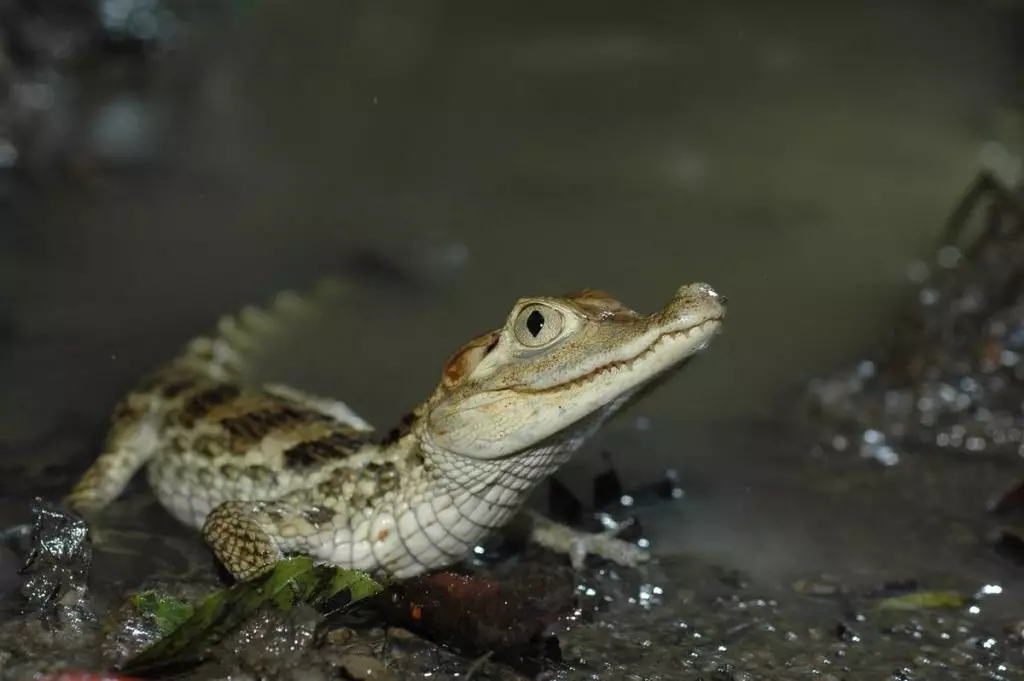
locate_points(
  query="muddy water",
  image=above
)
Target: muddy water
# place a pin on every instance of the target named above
(796, 159)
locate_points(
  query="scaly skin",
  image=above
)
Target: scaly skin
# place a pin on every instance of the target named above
(269, 470)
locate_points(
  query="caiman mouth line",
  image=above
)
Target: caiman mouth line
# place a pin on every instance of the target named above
(611, 366)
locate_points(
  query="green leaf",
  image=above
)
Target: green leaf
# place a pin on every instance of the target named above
(167, 613)
(923, 600)
(292, 581)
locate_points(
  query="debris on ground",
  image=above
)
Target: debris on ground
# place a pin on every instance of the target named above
(476, 614)
(56, 570)
(292, 582)
(949, 376)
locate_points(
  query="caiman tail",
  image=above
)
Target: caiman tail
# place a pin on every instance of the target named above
(230, 350)
(225, 355)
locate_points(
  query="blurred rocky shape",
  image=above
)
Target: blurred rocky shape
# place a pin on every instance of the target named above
(48, 620)
(77, 83)
(56, 570)
(1007, 533)
(949, 373)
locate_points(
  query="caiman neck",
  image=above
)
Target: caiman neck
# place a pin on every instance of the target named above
(403, 441)
(519, 472)
(411, 441)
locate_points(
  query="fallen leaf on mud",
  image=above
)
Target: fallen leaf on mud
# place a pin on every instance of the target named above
(293, 581)
(476, 615)
(922, 600)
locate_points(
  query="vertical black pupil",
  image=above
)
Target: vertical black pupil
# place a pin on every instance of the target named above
(534, 323)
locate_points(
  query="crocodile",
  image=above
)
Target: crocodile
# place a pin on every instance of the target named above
(268, 470)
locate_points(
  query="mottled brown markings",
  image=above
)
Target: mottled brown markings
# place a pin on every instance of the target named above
(344, 485)
(262, 475)
(175, 388)
(205, 477)
(385, 475)
(249, 428)
(337, 484)
(153, 382)
(172, 418)
(170, 383)
(207, 446)
(231, 472)
(339, 444)
(124, 411)
(205, 401)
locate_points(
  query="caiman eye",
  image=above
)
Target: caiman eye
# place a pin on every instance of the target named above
(538, 325)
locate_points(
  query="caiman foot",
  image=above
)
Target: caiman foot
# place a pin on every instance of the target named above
(578, 545)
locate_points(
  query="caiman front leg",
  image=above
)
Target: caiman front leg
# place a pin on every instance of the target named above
(578, 545)
(250, 537)
(130, 446)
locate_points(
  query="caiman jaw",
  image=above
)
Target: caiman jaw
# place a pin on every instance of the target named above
(683, 328)
(560, 363)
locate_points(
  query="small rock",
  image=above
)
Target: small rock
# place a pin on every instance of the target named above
(366, 668)
(56, 570)
(339, 637)
(400, 634)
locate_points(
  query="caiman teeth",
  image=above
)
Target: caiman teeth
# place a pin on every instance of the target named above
(626, 363)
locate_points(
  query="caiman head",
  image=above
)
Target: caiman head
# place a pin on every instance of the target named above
(557, 369)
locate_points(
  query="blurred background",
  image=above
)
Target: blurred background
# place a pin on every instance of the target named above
(167, 161)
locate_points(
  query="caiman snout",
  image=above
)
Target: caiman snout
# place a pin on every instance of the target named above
(698, 293)
(692, 305)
